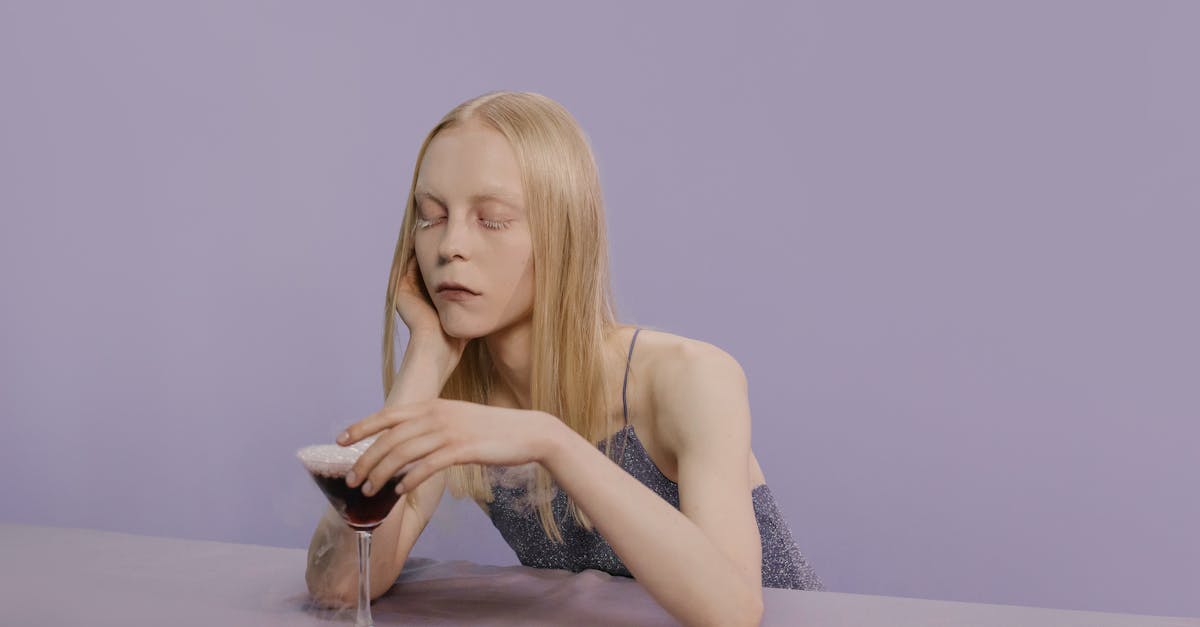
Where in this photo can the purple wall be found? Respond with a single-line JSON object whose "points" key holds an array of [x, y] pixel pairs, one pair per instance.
{"points": [[953, 245]]}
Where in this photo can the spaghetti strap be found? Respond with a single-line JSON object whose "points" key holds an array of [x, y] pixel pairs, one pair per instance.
{"points": [[624, 403], [783, 565]]}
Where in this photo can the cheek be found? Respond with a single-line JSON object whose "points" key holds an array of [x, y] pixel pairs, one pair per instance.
{"points": [[524, 271], [422, 251], [420, 259], [514, 275]]}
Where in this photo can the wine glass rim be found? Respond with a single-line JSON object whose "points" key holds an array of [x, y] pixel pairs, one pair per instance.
{"points": [[328, 459]]}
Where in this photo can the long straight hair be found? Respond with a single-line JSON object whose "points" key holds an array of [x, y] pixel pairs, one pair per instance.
{"points": [[573, 311]]}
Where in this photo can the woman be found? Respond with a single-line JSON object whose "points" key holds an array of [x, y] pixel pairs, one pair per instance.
{"points": [[515, 362]]}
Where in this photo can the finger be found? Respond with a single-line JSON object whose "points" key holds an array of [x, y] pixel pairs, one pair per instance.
{"points": [[409, 277], [400, 457], [426, 467], [379, 449], [393, 437], [378, 421]]}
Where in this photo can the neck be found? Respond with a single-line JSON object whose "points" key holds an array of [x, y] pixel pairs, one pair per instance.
{"points": [[511, 354]]}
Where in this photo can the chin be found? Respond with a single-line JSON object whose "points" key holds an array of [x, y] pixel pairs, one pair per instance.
{"points": [[464, 329]]}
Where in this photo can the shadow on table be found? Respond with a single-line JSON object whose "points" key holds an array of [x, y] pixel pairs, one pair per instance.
{"points": [[432, 592]]}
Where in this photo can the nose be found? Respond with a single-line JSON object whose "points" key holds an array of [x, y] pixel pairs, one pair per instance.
{"points": [[454, 240]]}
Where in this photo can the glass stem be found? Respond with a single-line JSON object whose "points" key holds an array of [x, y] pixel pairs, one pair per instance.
{"points": [[364, 580]]}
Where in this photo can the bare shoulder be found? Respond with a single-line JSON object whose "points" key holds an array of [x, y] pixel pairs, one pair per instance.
{"points": [[659, 349], [685, 376], [670, 356], [686, 393]]}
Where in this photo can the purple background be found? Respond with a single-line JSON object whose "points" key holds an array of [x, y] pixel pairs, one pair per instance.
{"points": [[954, 246]]}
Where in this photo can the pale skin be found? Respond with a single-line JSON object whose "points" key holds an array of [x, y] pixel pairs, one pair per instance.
{"points": [[702, 562]]}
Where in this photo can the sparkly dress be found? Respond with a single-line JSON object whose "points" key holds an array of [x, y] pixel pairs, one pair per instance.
{"points": [[783, 566]]}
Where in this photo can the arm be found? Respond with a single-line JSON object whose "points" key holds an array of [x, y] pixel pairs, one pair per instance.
{"points": [[332, 572], [702, 562]]}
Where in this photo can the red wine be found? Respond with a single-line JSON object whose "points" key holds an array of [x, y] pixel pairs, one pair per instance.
{"points": [[357, 509]]}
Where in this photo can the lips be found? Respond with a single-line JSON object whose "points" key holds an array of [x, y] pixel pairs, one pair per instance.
{"points": [[442, 287]]}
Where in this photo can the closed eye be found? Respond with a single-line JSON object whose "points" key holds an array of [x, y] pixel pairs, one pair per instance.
{"points": [[495, 225]]}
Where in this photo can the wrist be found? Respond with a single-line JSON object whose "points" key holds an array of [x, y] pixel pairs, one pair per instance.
{"points": [[552, 440], [430, 353], [423, 373]]}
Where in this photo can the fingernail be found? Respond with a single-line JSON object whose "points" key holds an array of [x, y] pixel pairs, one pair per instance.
{"points": [[351, 478], [344, 437], [399, 488], [368, 489]]}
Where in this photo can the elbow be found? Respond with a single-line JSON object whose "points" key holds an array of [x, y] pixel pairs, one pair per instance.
{"points": [[742, 616], [329, 594], [749, 611], [747, 616], [741, 606], [341, 594], [741, 610], [755, 616]]}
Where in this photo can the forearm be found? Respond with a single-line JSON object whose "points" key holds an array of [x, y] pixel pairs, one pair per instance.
{"points": [[332, 570], [663, 549], [424, 370]]}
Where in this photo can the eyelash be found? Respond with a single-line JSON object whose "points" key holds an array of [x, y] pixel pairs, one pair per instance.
{"points": [[490, 224]]}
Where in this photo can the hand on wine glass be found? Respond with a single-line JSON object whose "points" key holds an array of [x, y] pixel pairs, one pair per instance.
{"points": [[423, 438]]}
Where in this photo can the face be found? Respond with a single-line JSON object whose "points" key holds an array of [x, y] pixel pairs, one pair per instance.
{"points": [[472, 229]]}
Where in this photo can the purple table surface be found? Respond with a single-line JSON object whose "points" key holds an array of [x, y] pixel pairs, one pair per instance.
{"points": [[63, 576]]}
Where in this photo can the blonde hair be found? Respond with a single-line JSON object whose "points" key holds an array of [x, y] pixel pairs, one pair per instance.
{"points": [[573, 310]]}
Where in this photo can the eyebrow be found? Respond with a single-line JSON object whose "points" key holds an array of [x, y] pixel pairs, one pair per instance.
{"points": [[496, 195]]}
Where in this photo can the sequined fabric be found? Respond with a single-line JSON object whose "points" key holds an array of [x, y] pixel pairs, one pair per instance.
{"points": [[783, 565]]}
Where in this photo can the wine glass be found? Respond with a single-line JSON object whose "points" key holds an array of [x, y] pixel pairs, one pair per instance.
{"points": [[328, 465]]}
